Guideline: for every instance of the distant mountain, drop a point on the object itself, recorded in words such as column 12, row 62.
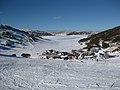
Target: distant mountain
column 110, row 36
column 79, row 33
column 60, row 33
column 38, row 33
column 12, row 37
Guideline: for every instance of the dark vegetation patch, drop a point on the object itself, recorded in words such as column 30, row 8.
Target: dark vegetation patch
column 110, row 35
column 78, row 33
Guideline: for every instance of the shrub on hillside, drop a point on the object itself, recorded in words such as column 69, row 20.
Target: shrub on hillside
column 105, row 45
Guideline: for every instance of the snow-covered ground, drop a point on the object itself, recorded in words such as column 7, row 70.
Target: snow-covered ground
column 59, row 42
column 37, row 74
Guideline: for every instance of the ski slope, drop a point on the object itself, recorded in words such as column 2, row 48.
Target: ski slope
column 18, row 73
column 37, row 74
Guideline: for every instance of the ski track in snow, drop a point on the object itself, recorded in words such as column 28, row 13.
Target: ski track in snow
column 38, row 74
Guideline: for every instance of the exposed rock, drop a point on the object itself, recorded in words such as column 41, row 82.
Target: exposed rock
column 107, row 37
column 79, row 33
column 25, row 55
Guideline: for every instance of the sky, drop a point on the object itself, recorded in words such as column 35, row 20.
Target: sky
column 91, row 15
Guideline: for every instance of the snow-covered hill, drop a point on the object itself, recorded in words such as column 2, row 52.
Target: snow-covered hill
column 59, row 42
column 38, row 74
column 108, row 38
column 12, row 38
column 34, row 73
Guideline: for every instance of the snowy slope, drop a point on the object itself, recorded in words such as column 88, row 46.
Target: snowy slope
column 17, row 41
column 14, row 38
column 40, row 74
column 17, row 73
column 37, row 74
column 60, row 42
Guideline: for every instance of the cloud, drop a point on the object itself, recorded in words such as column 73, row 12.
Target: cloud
column 56, row 18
